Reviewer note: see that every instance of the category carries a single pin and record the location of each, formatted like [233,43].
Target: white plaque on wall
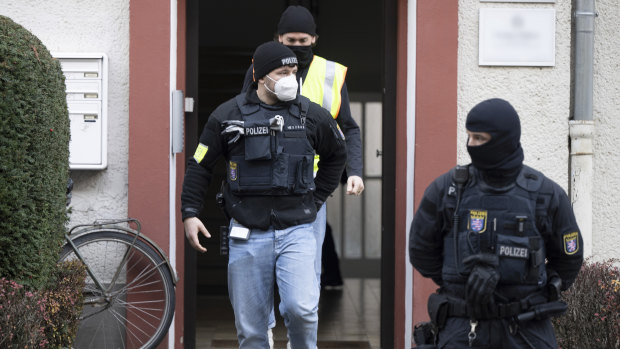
[517,37]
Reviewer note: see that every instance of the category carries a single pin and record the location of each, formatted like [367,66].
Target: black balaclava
[304,55]
[297,19]
[501,158]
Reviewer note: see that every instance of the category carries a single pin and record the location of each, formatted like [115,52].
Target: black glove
[233,127]
[481,284]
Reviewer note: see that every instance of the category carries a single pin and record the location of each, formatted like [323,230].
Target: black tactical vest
[502,221]
[271,162]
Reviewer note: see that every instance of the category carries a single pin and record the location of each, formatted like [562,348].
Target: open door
[221,39]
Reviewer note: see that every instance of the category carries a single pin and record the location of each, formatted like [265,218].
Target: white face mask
[285,89]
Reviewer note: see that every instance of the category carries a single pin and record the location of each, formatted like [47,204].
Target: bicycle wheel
[134,306]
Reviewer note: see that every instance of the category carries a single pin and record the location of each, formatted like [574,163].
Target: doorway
[222,37]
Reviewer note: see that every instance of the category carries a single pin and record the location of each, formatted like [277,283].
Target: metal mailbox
[86,80]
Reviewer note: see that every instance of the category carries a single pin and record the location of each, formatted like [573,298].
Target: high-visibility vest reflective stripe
[323,84]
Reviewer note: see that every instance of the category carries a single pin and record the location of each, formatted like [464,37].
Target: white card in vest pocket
[238,231]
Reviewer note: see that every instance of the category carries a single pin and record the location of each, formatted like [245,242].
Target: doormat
[281,344]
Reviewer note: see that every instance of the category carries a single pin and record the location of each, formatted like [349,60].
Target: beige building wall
[542,97]
[606,203]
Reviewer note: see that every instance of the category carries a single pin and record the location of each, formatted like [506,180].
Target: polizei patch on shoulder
[478,220]
[571,242]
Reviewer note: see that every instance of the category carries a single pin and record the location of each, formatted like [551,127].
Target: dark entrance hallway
[222,36]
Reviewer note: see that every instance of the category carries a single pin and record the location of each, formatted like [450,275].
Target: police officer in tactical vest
[268,136]
[323,82]
[499,238]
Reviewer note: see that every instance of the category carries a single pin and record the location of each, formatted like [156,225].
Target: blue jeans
[318,228]
[254,265]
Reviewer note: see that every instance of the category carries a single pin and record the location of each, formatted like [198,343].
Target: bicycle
[129,293]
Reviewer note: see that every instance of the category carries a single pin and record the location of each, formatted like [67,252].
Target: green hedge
[34,153]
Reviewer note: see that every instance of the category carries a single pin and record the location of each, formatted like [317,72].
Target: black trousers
[329,259]
[496,334]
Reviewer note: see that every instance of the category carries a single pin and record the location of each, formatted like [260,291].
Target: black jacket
[345,120]
[264,211]
[433,221]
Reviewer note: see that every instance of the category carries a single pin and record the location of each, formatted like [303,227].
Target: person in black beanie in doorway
[323,82]
[499,238]
[297,30]
[268,136]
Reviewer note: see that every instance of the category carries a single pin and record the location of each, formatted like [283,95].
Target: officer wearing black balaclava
[297,30]
[499,238]
[297,19]
[501,158]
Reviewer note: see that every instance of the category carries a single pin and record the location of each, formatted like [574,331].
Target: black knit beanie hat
[498,118]
[269,56]
[296,19]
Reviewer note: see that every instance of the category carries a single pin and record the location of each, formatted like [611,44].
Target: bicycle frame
[113,225]
[129,294]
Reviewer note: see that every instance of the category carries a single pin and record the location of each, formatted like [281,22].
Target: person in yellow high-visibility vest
[323,82]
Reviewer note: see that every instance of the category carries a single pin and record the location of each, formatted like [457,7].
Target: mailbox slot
[86,80]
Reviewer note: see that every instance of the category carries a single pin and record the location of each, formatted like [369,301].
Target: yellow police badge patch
[200,153]
[232,171]
[571,243]
[477,221]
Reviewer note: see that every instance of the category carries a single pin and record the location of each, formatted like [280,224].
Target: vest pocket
[258,148]
[257,140]
[303,174]
[246,177]
[515,259]
[280,171]
[292,173]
